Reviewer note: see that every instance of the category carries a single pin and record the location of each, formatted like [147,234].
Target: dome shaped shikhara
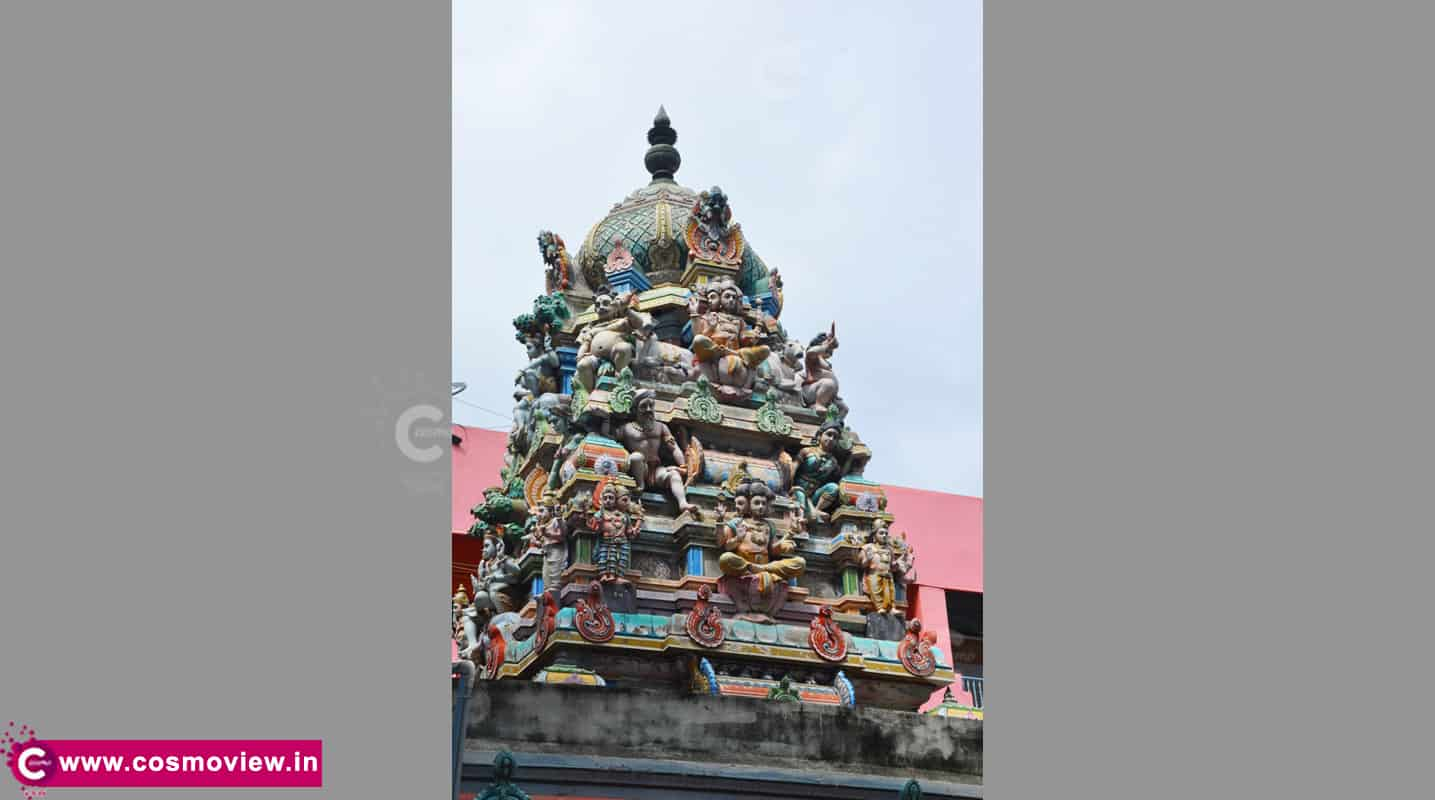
[650,222]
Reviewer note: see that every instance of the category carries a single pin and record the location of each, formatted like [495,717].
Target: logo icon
[31,761]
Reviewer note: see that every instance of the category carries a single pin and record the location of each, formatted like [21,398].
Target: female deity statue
[818,470]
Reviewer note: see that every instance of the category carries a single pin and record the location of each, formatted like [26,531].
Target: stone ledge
[627,724]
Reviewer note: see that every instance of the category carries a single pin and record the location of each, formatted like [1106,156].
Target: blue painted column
[567,365]
[695,560]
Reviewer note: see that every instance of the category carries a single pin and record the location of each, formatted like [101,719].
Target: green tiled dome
[651,220]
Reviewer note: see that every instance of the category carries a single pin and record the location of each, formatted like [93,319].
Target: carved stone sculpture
[757,562]
[612,339]
[558,274]
[649,442]
[496,582]
[819,383]
[612,519]
[548,532]
[878,563]
[661,361]
[782,372]
[818,472]
[727,347]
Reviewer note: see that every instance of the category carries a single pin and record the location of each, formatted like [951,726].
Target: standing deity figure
[612,338]
[726,345]
[756,561]
[904,560]
[878,564]
[616,527]
[648,441]
[819,384]
[817,471]
[549,533]
[558,274]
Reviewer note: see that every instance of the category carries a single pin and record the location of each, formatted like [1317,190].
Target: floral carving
[620,399]
[702,405]
[772,419]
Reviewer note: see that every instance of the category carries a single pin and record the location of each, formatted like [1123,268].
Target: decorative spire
[662,159]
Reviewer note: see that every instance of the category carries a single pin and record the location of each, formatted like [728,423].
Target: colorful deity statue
[904,560]
[648,442]
[818,470]
[612,519]
[726,343]
[540,375]
[495,583]
[549,532]
[819,383]
[558,274]
[612,338]
[878,565]
[757,561]
[782,372]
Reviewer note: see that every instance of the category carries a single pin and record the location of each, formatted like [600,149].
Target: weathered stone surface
[648,724]
[887,627]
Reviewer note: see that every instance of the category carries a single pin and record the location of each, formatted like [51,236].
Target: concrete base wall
[821,740]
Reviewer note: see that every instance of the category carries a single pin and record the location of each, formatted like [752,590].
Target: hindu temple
[687,584]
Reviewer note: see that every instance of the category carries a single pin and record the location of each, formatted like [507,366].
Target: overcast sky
[847,137]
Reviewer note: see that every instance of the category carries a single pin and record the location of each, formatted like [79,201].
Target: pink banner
[158,763]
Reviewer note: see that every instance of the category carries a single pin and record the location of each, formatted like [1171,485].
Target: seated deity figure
[495,591]
[817,471]
[878,564]
[819,382]
[756,561]
[617,527]
[612,338]
[496,582]
[648,441]
[726,345]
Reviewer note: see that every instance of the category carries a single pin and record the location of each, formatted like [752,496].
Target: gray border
[226,248]
[1207,260]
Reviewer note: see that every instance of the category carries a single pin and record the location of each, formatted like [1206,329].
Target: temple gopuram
[688,584]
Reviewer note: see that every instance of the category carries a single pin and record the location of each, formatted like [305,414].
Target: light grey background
[226,255]
[1207,540]
[848,137]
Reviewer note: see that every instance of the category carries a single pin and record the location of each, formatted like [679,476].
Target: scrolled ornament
[592,618]
[702,405]
[915,650]
[826,636]
[704,622]
[620,399]
[772,419]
